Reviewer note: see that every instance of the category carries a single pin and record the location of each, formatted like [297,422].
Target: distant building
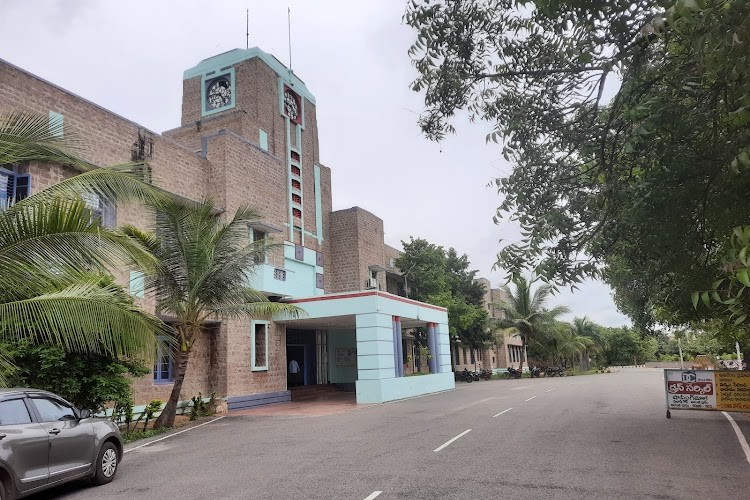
[507,350]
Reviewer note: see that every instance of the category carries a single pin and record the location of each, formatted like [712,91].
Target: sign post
[714,390]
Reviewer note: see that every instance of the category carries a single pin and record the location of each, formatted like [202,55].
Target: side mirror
[85,413]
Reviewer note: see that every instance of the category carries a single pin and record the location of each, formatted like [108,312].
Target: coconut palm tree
[525,311]
[583,327]
[55,285]
[203,265]
[568,345]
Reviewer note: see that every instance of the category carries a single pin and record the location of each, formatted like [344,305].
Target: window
[472,356]
[259,345]
[319,259]
[263,139]
[319,280]
[295,156]
[137,284]
[296,171]
[13,187]
[465,355]
[52,410]
[296,184]
[14,412]
[297,199]
[163,365]
[255,236]
[100,209]
[296,212]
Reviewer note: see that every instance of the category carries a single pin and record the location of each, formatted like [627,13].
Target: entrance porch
[359,343]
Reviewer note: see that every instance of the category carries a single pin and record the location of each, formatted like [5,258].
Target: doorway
[296,363]
[300,358]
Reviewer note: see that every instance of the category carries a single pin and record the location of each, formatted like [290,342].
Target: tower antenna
[247,29]
[289,31]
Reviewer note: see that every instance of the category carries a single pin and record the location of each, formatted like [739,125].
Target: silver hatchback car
[45,441]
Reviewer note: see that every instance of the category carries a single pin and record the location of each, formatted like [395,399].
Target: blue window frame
[163,367]
[13,187]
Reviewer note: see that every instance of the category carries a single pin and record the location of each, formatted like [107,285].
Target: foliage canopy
[627,124]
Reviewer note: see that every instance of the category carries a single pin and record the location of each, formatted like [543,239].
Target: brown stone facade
[507,350]
[253,153]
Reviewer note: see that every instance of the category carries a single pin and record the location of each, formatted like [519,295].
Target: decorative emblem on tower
[292,105]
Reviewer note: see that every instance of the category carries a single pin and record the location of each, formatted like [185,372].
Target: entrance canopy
[377,319]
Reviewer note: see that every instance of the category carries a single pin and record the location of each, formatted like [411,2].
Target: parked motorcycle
[535,372]
[464,376]
[485,374]
[555,372]
[512,373]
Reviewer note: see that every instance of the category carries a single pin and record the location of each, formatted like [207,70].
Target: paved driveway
[600,436]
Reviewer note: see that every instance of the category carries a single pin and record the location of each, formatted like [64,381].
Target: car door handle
[54,431]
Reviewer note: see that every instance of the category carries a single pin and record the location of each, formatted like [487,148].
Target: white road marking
[504,411]
[451,440]
[550,390]
[172,435]
[459,408]
[519,388]
[532,397]
[740,436]
[373,495]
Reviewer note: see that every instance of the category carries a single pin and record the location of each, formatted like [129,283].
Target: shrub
[88,381]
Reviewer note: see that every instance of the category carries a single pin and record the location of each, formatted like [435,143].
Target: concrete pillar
[443,347]
[396,360]
[399,346]
[375,353]
[432,346]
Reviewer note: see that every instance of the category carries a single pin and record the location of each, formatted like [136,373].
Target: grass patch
[141,434]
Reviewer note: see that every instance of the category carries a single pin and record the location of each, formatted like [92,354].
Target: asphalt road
[598,436]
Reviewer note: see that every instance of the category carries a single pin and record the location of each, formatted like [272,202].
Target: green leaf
[705,299]
[743,277]
[740,319]
[695,300]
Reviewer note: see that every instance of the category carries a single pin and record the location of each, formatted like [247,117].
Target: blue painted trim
[318,205]
[137,284]
[56,124]
[215,74]
[235,56]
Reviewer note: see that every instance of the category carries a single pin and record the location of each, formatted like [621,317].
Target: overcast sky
[129,57]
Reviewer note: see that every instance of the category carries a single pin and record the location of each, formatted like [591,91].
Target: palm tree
[583,327]
[568,345]
[55,284]
[525,312]
[202,275]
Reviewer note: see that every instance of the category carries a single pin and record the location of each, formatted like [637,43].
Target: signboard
[346,356]
[716,390]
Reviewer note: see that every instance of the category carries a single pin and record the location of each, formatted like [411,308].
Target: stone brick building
[248,135]
[506,352]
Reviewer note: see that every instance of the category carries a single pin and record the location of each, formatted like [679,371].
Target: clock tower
[254,120]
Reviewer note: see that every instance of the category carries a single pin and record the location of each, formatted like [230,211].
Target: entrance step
[316,392]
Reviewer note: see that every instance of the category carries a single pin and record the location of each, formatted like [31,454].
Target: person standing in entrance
[294,371]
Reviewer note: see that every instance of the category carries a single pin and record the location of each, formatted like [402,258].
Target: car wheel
[106,464]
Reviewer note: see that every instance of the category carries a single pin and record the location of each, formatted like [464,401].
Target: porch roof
[339,310]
